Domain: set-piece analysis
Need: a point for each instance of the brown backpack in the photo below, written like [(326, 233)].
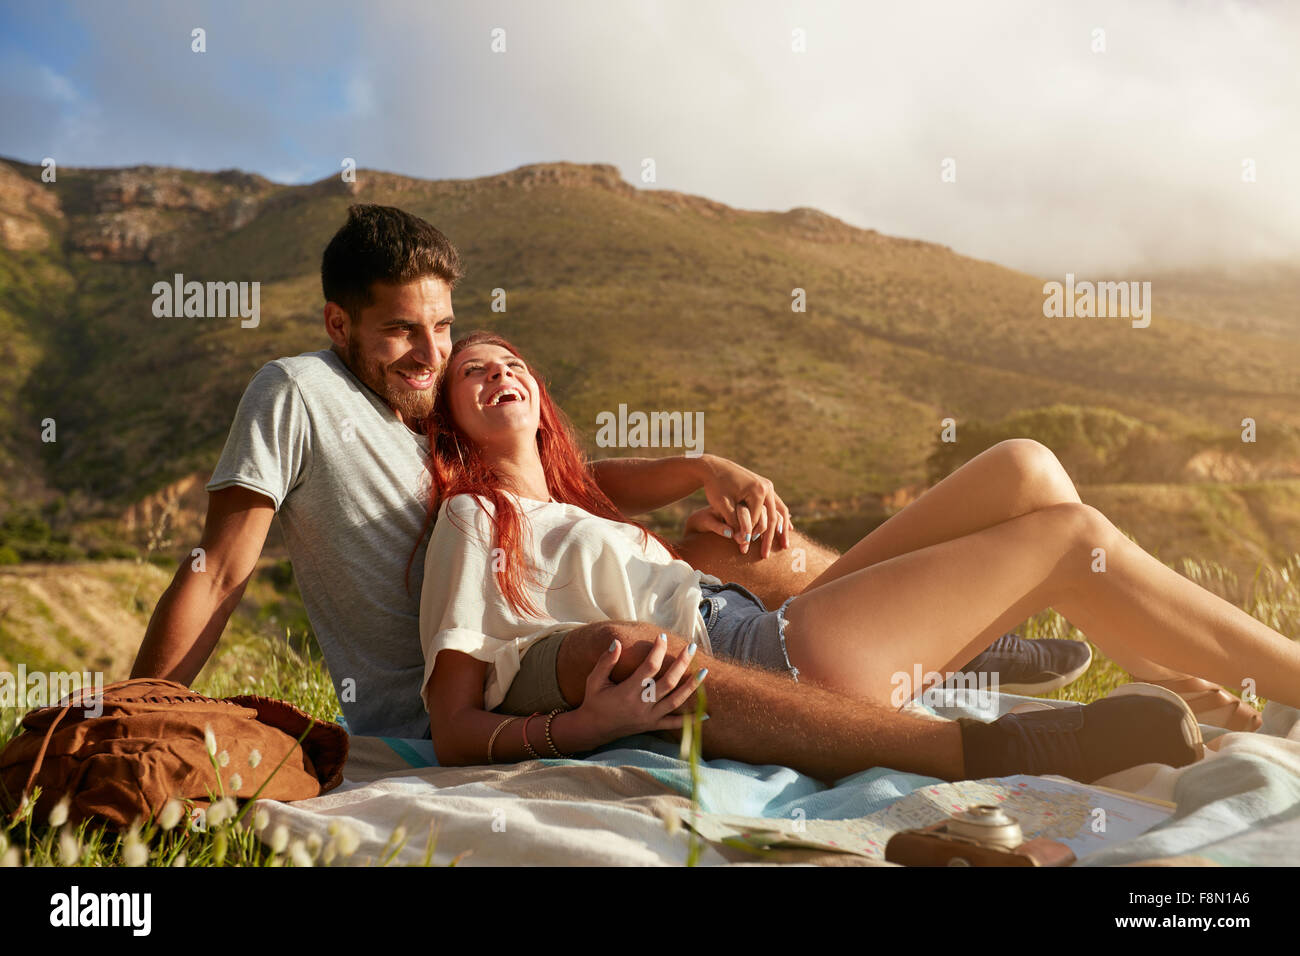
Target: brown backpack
[(149, 744)]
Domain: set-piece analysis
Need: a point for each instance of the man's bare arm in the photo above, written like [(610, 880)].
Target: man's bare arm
[(193, 611)]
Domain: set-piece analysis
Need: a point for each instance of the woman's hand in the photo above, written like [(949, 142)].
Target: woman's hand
[(746, 503), (705, 520), (640, 704)]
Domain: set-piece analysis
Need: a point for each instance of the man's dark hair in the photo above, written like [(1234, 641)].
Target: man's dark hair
[(383, 244)]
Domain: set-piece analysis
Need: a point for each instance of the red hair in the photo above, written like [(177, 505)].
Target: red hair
[(456, 467)]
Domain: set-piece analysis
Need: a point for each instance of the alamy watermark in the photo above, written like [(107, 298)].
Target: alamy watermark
[(208, 300), (1098, 300), (130, 910), (29, 690), (651, 430), (977, 689)]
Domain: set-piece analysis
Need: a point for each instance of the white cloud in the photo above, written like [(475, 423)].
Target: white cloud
[(1067, 159), (360, 94), (56, 86)]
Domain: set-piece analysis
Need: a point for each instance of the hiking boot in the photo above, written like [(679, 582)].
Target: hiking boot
[(1083, 743), (1032, 667)]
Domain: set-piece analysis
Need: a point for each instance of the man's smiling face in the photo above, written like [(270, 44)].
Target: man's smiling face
[(399, 345)]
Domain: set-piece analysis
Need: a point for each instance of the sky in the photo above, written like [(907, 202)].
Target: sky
[(1066, 158)]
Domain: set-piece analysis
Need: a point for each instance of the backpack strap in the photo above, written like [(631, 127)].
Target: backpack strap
[(40, 759)]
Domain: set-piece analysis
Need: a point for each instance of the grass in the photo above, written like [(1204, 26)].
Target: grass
[(289, 670)]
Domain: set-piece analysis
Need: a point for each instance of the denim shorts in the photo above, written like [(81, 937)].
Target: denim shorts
[(739, 627), (742, 629)]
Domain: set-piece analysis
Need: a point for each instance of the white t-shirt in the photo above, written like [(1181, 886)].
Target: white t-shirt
[(585, 568)]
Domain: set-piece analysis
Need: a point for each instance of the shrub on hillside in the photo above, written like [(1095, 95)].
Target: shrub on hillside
[(1096, 445)]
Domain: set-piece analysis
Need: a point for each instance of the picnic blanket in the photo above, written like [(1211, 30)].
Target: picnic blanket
[(629, 803)]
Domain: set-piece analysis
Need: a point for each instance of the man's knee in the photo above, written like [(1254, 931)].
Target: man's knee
[(782, 574), (583, 646), (813, 558)]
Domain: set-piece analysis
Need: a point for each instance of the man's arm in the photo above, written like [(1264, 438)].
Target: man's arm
[(193, 611), (744, 501)]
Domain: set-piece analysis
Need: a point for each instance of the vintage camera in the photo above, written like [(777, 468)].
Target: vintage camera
[(982, 835)]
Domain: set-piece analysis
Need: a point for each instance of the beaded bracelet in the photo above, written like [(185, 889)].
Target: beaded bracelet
[(551, 743), (528, 748), (493, 738)]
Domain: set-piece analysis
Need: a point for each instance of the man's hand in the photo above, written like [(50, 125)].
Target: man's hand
[(638, 704), (742, 505)]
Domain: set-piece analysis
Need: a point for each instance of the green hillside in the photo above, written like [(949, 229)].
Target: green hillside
[(647, 298)]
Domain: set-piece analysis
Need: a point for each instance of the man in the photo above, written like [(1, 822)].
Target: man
[(332, 441)]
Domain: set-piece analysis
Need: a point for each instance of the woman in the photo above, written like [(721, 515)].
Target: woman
[(518, 521)]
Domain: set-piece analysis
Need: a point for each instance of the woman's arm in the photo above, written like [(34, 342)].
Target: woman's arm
[(463, 618), (609, 710), (461, 727), (638, 485)]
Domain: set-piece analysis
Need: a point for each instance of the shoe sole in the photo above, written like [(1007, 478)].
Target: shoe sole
[(1029, 707), (1239, 707), (1191, 727), (1047, 686)]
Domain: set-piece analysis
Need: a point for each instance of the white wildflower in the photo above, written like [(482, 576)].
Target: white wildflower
[(254, 758), (348, 840), (328, 854), (180, 859), (298, 853), (210, 740), (59, 812), (279, 838), (261, 820), (134, 853), (69, 848), (235, 782), (171, 814), (223, 758), (221, 811), (314, 844), (10, 858)]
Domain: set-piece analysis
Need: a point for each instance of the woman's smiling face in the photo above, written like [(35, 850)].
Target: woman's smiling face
[(492, 394)]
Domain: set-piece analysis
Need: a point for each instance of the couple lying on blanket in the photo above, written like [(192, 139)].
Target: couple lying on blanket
[(541, 600), (527, 555)]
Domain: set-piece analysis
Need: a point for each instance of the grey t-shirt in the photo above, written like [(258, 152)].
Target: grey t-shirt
[(350, 487)]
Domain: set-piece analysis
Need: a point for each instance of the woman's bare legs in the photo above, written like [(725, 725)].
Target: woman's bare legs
[(1010, 479), (937, 606), (1013, 478)]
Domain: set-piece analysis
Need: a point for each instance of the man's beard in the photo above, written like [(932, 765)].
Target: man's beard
[(414, 405)]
